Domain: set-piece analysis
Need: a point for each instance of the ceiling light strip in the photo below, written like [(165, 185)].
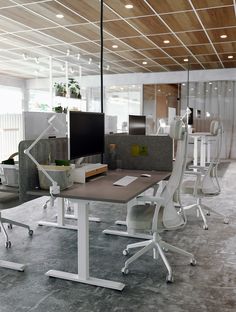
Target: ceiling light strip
[(206, 33)]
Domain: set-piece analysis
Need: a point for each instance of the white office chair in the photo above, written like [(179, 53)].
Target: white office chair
[(205, 181), (5, 203), (157, 213)]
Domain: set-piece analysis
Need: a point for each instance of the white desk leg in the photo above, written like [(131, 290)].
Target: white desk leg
[(195, 152), (208, 150), (83, 256), (75, 217), (60, 217), (125, 233), (203, 152), (12, 265)]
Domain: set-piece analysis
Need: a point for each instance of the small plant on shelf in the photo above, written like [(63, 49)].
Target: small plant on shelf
[(74, 89), (60, 89)]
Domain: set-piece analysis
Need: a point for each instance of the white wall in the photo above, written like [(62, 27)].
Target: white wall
[(143, 78)]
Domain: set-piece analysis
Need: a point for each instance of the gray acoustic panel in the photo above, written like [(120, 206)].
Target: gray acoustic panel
[(44, 151), (157, 153)]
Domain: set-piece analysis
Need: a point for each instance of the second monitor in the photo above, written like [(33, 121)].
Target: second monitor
[(137, 125)]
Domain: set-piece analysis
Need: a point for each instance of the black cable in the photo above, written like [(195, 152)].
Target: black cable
[(101, 54), (101, 59)]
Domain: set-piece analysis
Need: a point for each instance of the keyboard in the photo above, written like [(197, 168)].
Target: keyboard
[(125, 181)]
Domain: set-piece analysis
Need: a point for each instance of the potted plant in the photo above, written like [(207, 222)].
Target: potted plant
[(74, 88), (60, 89)]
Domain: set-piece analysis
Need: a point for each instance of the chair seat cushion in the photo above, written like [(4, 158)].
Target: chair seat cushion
[(139, 217)]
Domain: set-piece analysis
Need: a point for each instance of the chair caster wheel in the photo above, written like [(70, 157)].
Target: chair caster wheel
[(226, 220), (31, 232), (125, 270), (125, 252), (193, 262), (9, 226), (205, 227), (169, 279), (8, 244), (208, 213)]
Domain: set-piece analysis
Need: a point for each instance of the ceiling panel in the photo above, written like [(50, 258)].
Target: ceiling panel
[(153, 53), (219, 17), (89, 31), (31, 27), (139, 43), (201, 49), (26, 18), (210, 3), (140, 8), (149, 25), (50, 9), (159, 40), (119, 29), (215, 34), (89, 9), (193, 37), (182, 21), (176, 51), (168, 6)]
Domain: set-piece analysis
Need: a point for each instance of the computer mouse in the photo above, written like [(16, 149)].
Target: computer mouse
[(146, 175)]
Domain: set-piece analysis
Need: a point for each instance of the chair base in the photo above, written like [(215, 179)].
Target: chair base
[(200, 212), (11, 222), (158, 246)]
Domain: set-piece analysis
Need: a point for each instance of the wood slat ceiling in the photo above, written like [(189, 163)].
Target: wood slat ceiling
[(134, 39)]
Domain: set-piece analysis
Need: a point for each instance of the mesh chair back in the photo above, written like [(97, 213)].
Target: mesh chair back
[(170, 217)]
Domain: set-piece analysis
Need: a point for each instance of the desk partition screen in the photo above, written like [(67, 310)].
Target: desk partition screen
[(85, 134)]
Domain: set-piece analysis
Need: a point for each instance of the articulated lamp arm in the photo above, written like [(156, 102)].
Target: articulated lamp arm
[(55, 188)]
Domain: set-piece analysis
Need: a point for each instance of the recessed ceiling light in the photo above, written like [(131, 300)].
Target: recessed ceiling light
[(166, 41), (215, 88), (183, 84), (223, 36), (230, 56), (114, 46), (186, 60), (210, 83), (59, 15), (144, 63), (129, 6)]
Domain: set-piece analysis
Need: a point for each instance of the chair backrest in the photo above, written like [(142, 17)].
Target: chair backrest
[(170, 217)]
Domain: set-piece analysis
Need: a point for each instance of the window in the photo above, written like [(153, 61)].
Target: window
[(11, 99)]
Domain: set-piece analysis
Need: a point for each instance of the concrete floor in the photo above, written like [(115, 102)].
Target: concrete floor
[(209, 286)]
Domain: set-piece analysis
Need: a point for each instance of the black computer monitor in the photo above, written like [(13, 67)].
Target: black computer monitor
[(85, 134), (137, 124)]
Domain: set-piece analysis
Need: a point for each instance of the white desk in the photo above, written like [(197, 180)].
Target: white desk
[(204, 152), (100, 190)]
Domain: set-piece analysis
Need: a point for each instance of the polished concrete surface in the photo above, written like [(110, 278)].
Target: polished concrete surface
[(209, 286)]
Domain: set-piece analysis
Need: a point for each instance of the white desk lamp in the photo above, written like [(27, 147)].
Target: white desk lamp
[(55, 188)]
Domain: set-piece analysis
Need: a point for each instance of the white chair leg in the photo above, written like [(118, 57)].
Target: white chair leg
[(205, 226), (169, 277), (4, 220), (177, 250), (7, 242), (138, 254), (139, 244)]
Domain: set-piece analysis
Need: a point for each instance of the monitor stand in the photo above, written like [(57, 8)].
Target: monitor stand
[(87, 170)]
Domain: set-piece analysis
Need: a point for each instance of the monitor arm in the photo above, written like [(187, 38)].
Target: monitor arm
[(55, 188)]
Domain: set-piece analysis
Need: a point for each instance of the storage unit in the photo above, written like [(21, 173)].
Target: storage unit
[(9, 175)]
